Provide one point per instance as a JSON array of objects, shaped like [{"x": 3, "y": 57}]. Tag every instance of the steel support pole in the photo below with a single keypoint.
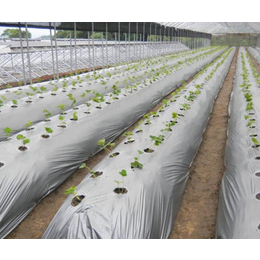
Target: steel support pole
[
  {"x": 21, "y": 47},
  {"x": 71, "y": 66},
  {"x": 119, "y": 43},
  {"x": 28, "y": 54},
  {"x": 52, "y": 55},
  {"x": 56, "y": 53},
  {"x": 93, "y": 46},
  {"x": 129, "y": 43},
  {"x": 75, "y": 47},
  {"x": 103, "y": 58},
  {"x": 106, "y": 47}
]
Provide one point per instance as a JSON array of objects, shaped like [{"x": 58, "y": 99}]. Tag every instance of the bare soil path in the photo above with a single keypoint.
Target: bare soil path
[{"x": 198, "y": 211}]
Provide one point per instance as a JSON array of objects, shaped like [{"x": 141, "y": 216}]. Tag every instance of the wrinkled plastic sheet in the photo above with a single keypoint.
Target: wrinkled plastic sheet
[
  {"x": 17, "y": 118},
  {"x": 27, "y": 177},
  {"x": 255, "y": 53},
  {"x": 238, "y": 209},
  {"x": 150, "y": 206}
]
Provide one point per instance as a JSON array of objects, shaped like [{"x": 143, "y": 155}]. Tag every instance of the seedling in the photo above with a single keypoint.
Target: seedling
[
  {"x": 165, "y": 102},
  {"x": 29, "y": 124},
  {"x": 73, "y": 190},
  {"x": 8, "y": 131},
  {"x": 128, "y": 134},
  {"x": 24, "y": 142},
  {"x": 136, "y": 164},
  {"x": 14, "y": 101},
  {"x": 147, "y": 119},
  {"x": 119, "y": 189},
  {"x": 47, "y": 113},
  {"x": 103, "y": 145},
  {"x": 175, "y": 115},
  {"x": 255, "y": 141},
  {"x": 185, "y": 106},
  {"x": 75, "y": 117},
  {"x": 61, "y": 107},
  {"x": 154, "y": 114},
  {"x": 139, "y": 129},
  {"x": 48, "y": 130},
  {"x": 157, "y": 139}
]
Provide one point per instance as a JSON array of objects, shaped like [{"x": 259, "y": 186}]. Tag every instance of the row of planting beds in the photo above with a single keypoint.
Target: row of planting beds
[
  {"x": 135, "y": 191},
  {"x": 38, "y": 162},
  {"x": 34, "y": 109},
  {"x": 239, "y": 205}
]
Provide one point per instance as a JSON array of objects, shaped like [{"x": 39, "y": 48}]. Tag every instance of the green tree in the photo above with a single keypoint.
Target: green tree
[{"x": 14, "y": 33}]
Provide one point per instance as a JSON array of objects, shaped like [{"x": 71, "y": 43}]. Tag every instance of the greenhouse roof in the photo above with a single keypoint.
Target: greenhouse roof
[{"x": 217, "y": 27}]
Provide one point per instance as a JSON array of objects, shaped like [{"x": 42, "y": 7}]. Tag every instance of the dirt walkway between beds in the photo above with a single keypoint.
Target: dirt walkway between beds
[{"x": 198, "y": 210}]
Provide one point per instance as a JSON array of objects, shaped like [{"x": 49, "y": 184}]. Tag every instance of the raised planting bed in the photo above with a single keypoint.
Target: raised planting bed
[
  {"x": 47, "y": 162},
  {"x": 9, "y": 94},
  {"x": 140, "y": 190},
  {"x": 17, "y": 114},
  {"x": 239, "y": 205}
]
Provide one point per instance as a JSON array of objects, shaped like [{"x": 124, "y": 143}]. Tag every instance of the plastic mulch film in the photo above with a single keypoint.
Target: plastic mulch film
[
  {"x": 150, "y": 193},
  {"x": 255, "y": 53},
  {"x": 16, "y": 93},
  {"x": 28, "y": 176},
  {"x": 239, "y": 205},
  {"x": 16, "y": 116}
]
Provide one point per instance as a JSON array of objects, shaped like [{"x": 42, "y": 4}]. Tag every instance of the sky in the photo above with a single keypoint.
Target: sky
[{"x": 35, "y": 32}]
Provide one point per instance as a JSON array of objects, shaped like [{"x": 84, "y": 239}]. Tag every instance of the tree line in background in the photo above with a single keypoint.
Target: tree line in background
[{"x": 14, "y": 33}]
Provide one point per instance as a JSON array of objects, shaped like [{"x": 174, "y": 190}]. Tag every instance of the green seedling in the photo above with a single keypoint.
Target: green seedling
[
  {"x": 48, "y": 130},
  {"x": 23, "y": 138},
  {"x": 175, "y": 115},
  {"x": 55, "y": 89},
  {"x": 185, "y": 106},
  {"x": 15, "y": 102},
  {"x": 147, "y": 119},
  {"x": 103, "y": 145},
  {"x": 4, "y": 98},
  {"x": 8, "y": 86},
  {"x": 136, "y": 164},
  {"x": 123, "y": 173},
  {"x": 33, "y": 88},
  {"x": 249, "y": 106},
  {"x": 72, "y": 190},
  {"x": 165, "y": 103},
  {"x": 83, "y": 165},
  {"x": 1, "y": 103},
  {"x": 75, "y": 117},
  {"x": 8, "y": 131},
  {"x": 128, "y": 134},
  {"x": 74, "y": 83},
  {"x": 47, "y": 113},
  {"x": 255, "y": 141},
  {"x": 43, "y": 88},
  {"x": 157, "y": 139},
  {"x": 247, "y": 117},
  {"x": 61, "y": 107},
  {"x": 29, "y": 124}
]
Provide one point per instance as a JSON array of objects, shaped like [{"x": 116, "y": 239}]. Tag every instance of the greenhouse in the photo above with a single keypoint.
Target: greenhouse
[{"x": 130, "y": 130}]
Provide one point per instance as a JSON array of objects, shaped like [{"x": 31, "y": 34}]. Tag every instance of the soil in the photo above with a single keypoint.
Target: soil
[
  {"x": 37, "y": 221},
  {"x": 120, "y": 190},
  {"x": 197, "y": 214},
  {"x": 75, "y": 201},
  {"x": 22, "y": 148}
]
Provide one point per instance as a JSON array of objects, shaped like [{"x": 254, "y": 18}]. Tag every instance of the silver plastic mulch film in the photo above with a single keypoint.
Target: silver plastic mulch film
[
  {"x": 28, "y": 176},
  {"x": 149, "y": 207},
  {"x": 31, "y": 108},
  {"x": 239, "y": 205}
]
